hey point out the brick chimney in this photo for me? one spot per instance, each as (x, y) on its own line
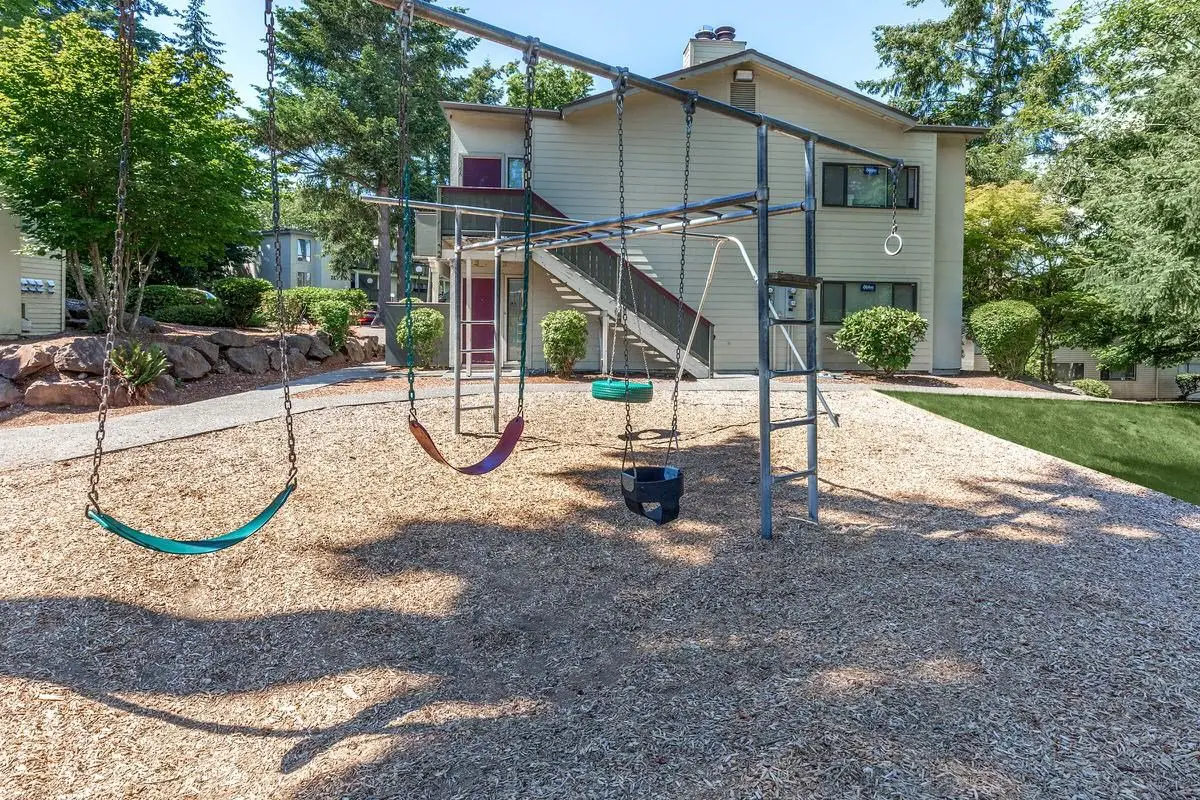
(709, 44)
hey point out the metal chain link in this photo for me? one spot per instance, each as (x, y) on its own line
(689, 111)
(621, 85)
(126, 30)
(895, 199)
(273, 148)
(531, 61)
(404, 18)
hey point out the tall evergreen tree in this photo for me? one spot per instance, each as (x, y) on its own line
(989, 62)
(100, 14)
(195, 37)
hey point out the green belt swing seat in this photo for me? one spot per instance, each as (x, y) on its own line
(619, 390)
(162, 544)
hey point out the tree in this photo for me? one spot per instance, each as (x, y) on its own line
(554, 85)
(195, 37)
(989, 62)
(340, 69)
(100, 14)
(192, 172)
(483, 85)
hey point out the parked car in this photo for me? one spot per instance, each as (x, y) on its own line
(370, 317)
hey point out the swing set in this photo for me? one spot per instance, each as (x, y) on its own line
(651, 491)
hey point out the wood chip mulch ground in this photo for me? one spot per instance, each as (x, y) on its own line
(970, 620)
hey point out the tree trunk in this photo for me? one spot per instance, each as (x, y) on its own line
(143, 276)
(384, 251)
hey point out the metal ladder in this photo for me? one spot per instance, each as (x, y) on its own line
(809, 322)
(461, 332)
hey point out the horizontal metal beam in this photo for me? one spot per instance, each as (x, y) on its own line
(470, 211)
(483, 30)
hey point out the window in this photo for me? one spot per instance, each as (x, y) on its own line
(839, 298)
(303, 279)
(480, 172)
(516, 173)
(1068, 371)
(1119, 375)
(867, 186)
(303, 250)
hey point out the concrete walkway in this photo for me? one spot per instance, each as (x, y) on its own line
(43, 444)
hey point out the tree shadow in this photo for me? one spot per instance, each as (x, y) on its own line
(589, 653)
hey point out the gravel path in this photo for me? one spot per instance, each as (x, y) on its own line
(972, 619)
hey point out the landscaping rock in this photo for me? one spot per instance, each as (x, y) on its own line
(354, 351)
(46, 392)
(320, 348)
(85, 354)
(25, 360)
(142, 324)
(222, 367)
(313, 363)
(162, 388)
(300, 341)
(253, 360)
(231, 339)
(9, 393)
(210, 351)
(295, 359)
(186, 363)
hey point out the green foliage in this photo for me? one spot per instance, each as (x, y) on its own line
(428, 328)
(155, 298)
(555, 85)
(483, 85)
(195, 37)
(99, 14)
(1006, 331)
(241, 297)
(564, 340)
(311, 295)
(333, 317)
(1092, 387)
(210, 315)
(1188, 383)
(192, 173)
(138, 366)
(882, 338)
(268, 310)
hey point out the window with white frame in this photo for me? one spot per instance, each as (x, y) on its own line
(303, 250)
(868, 186)
(516, 172)
(303, 279)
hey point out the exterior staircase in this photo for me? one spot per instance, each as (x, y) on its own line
(586, 277)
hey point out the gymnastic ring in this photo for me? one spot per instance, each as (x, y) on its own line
(893, 244)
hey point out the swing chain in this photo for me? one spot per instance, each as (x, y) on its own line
(531, 62)
(621, 84)
(894, 243)
(276, 225)
(895, 199)
(126, 28)
(404, 17)
(689, 110)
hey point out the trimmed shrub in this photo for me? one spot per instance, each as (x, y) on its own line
(157, 297)
(564, 340)
(137, 368)
(241, 297)
(1092, 387)
(333, 317)
(1188, 383)
(268, 310)
(428, 328)
(209, 315)
(882, 338)
(1007, 332)
(308, 296)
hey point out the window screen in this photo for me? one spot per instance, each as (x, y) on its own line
(868, 186)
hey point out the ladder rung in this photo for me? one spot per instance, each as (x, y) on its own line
(792, 423)
(476, 321)
(793, 280)
(791, 476)
(488, 407)
(487, 377)
(792, 373)
(478, 351)
(805, 321)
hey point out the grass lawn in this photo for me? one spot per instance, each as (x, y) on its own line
(1153, 445)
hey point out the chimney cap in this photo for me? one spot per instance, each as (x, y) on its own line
(725, 33)
(705, 32)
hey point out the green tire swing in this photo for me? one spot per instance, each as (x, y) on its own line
(619, 390)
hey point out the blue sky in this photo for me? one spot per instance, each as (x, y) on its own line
(647, 36)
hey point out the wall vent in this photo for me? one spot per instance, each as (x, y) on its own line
(743, 96)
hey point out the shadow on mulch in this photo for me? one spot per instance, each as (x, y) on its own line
(652, 652)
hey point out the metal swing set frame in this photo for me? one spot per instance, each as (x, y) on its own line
(716, 211)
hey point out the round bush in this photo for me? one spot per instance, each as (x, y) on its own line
(882, 338)
(241, 297)
(1006, 331)
(564, 340)
(1188, 383)
(428, 328)
(293, 309)
(1092, 387)
(333, 317)
(307, 297)
(155, 297)
(209, 315)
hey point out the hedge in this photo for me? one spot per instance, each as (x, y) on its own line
(241, 297)
(210, 315)
(1006, 331)
(1092, 387)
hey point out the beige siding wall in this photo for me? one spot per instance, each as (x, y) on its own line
(44, 310)
(1151, 383)
(948, 253)
(484, 135)
(10, 276)
(575, 164)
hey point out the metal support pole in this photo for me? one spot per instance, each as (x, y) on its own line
(764, 340)
(810, 312)
(456, 320)
(498, 268)
(468, 321)
(604, 334)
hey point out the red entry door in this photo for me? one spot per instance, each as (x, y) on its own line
(482, 294)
